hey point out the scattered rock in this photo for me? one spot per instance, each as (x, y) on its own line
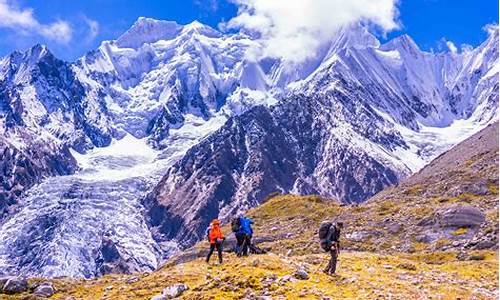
(301, 274)
(15, 285)
(477, 188)
(462, 256)
(132, 279)
(45, 290)
(171, 292)
(350, 280)
(485, 245)
(286, 278)
(356, 236)
(175, 290)
(476, 257)
(394, 228)
(423, 238)
(460, 216)
(407, 266)
(427, 221)
(255, 263)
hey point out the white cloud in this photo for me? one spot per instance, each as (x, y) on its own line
(451, 46)
(93, 28)
(294, 29)
(23, 21)
(208, 5)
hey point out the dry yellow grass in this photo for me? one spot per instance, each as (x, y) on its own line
(362, 275)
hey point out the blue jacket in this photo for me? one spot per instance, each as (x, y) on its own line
(246, 225)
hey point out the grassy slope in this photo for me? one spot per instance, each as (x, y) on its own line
(423, 274)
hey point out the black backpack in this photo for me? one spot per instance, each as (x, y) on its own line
(324, 235)
(235, 224)
(207, 232)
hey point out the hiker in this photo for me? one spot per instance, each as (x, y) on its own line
(329, 235)
(216, 238)
(246, 232)
(238, 234)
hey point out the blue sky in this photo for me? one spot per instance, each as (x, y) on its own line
(71, 28)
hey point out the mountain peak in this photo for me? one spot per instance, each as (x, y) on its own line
(201, 28)
(403, 41)
(356, 36)
(32, 55)
(147, 30)
(195, 25)
(39, 51)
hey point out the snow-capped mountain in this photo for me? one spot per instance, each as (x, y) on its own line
(158, 72)
(368, 116)
(357, 117)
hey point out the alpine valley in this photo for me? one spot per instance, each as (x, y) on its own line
(117, 161)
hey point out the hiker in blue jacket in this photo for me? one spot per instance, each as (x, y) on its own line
(246, 232)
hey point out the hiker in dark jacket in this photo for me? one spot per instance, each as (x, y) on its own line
(238, 234)
(246, 232)
(332, 245)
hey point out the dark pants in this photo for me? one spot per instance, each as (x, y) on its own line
(217, 245)
(240, 238)
(332, 264)
(247, 241)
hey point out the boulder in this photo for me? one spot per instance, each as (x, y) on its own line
(132, 279)
(477, 188)
(171, 292)
(45, 290)
(394, 228)
(15, 285)
(423, 238)
(301, 274)
(460, 216)
(356, 236)
(175, 290)
(482, 245)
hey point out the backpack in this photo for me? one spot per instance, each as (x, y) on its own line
(235, 224)
(324, 235)
(207, 232)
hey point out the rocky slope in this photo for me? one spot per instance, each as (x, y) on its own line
(434, 236)
(21, 169)
(367, 117)
(451, 204)
(41, 103)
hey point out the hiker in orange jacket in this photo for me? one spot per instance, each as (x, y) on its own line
(216, 238)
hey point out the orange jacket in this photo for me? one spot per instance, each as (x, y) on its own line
(215, 232)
